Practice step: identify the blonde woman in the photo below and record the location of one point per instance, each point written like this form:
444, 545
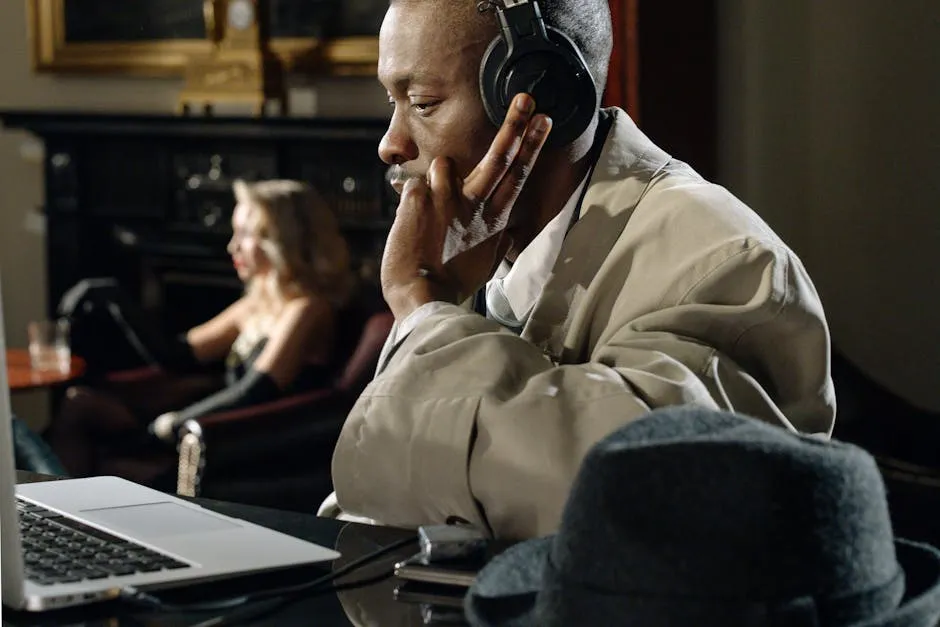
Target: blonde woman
278, 337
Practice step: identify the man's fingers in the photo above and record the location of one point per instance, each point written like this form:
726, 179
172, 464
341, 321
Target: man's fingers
414, 192
496, 212
413, 223
414, 186
411, 215
443, 180
484, 178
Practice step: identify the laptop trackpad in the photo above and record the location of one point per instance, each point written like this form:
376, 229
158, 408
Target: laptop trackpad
156, 520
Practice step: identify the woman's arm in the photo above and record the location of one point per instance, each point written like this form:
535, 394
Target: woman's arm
212, 340
299, 328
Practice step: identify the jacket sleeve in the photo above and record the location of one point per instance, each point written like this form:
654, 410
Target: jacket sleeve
470, 420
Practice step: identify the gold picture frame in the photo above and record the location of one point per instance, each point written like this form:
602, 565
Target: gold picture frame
51, 52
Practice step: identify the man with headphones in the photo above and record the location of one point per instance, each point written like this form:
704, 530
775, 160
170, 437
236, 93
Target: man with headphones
553, 275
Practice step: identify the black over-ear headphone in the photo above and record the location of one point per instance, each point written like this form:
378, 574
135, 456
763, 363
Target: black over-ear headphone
542, 61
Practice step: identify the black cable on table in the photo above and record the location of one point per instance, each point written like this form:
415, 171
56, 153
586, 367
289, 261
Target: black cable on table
254, 613
292, 593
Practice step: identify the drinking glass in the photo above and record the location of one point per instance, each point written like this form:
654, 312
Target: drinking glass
49, 345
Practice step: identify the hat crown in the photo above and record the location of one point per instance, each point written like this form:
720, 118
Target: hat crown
662, 505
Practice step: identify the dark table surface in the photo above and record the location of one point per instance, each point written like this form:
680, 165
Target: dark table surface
374, 605
22, 375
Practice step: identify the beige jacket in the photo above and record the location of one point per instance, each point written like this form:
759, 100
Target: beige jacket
667, 290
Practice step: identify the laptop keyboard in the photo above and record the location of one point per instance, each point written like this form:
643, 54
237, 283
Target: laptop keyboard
57, 549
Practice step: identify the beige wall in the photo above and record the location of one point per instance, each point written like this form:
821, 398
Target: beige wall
831, 130
21, 246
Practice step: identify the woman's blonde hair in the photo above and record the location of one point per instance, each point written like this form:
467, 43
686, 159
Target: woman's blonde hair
301, 238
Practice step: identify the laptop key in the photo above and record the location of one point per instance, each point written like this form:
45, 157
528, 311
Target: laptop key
45, 514
173, 564
149, 568
48, 578
87, 573
76, 555
44, 573
67, 579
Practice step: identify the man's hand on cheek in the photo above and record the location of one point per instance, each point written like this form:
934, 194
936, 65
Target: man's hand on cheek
447, 238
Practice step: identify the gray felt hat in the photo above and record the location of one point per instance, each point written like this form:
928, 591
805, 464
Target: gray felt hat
695, 517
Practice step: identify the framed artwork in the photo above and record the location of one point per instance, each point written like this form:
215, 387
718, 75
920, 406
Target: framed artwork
156, 37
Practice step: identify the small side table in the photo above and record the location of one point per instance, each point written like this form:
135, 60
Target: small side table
22, 376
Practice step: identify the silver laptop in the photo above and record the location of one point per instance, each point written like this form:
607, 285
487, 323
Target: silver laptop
76, 541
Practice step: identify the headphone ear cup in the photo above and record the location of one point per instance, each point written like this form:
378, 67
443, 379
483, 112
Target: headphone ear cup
553, 72
575, 81
493, 60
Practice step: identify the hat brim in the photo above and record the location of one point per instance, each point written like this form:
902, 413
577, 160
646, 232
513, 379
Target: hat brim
920, 606
505, 590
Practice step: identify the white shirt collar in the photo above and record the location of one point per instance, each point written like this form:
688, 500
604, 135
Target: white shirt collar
522, 282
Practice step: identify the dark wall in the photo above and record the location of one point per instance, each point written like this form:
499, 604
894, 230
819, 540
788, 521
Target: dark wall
679, 79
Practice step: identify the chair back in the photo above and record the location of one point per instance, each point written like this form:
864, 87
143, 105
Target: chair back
361, 365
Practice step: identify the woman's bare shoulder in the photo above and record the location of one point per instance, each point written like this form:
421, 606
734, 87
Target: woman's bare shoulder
242, 309
309, 307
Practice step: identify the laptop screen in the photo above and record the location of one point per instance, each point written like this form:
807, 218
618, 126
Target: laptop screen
10, 548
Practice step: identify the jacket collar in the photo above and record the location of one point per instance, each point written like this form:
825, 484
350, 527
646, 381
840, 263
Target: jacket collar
626, 165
